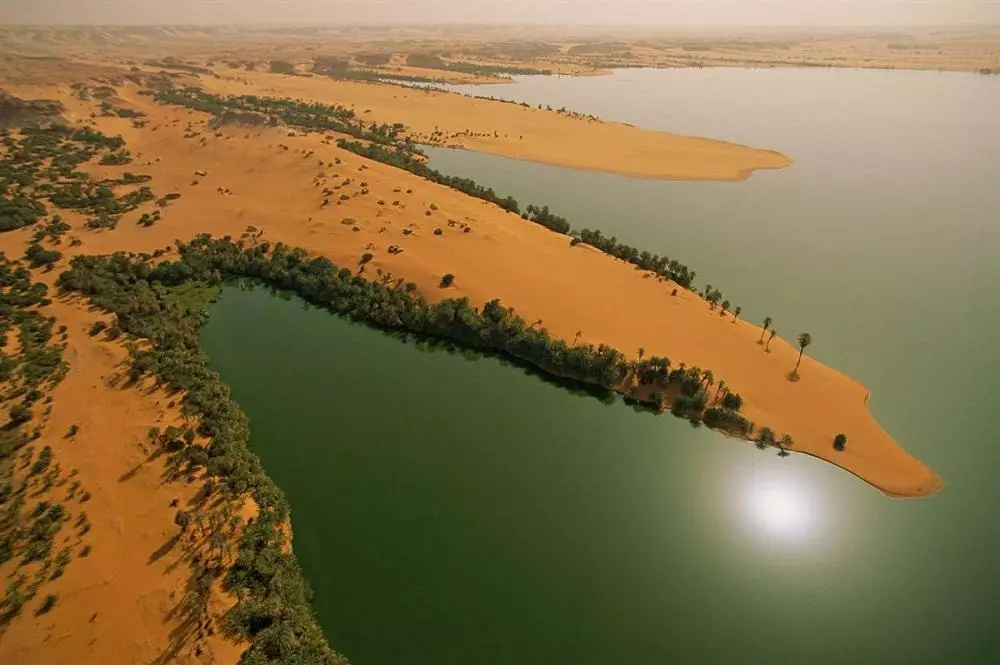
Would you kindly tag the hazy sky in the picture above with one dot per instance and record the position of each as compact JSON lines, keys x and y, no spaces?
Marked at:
{"x":563,"y":12}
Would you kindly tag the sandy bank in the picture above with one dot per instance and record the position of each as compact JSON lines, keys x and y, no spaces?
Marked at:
{"x":128,"y":599}
{"x":512,"y":130}
{"x":501,"y":256}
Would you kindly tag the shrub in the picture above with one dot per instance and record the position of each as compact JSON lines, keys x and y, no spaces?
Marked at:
{"x":47,"y":604}
{"x":447,"y":280}
{"x":20,"y":414}
{"x":39,"y":256}
{"x":97,"y":328}
{"x":732,"y":401}
{"x":840,"y":442}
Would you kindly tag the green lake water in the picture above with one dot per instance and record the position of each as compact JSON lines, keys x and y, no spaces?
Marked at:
{"x":452,"y":509}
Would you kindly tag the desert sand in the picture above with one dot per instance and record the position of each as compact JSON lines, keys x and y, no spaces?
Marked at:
{"x":133,"y":580}
{"x":128,"y":600}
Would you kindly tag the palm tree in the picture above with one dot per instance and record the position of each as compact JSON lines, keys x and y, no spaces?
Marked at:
{"x":767,"y":324}
{"x":722,"y":386}
{"x":708,"y":378}
{"x":773,"y":333}
{"x":577,"y":337}
{"x":805,"y":339}
{"x":736,"y":313}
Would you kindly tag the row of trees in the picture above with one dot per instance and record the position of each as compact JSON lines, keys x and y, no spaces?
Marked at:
{"x":304,"y":115}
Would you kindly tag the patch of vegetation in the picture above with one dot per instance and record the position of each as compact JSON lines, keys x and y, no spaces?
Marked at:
{"x":840,"y":443}
{"x":281,"y":67}
{"x":39,"y":163}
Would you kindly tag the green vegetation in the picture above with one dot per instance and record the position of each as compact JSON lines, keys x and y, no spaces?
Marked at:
{"x":310,"y":117}
{"x":39,"y":163}
{"x":805,"y":339}
{"x":767,"y":325}
{"x":281,"y":67}
{"x":425,"y":61}
{"x":39,"y":256}
{"x":47,"y":604}
{"x":840,"y":442}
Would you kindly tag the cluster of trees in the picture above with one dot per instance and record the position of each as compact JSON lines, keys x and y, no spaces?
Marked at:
{"x":546,"y":218}
{"x":39,"y":256}
{"x":307,"y":116}
{"x":40,"y":163}
{"x":281,"y":67}
{"x":427,"y":61}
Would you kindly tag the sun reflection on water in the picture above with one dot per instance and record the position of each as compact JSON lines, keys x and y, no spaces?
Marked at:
{"x":780,"y":504}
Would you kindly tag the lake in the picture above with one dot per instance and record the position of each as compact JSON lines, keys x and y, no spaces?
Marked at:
{"x":452,"y":509}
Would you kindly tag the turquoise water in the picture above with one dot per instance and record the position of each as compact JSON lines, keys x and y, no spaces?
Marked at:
{"x":450,"y":508}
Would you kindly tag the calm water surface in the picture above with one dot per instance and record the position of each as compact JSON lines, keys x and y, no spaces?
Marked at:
{"x":450,"y":509}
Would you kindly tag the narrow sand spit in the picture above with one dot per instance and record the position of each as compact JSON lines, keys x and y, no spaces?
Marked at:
{"x":512,"y":130}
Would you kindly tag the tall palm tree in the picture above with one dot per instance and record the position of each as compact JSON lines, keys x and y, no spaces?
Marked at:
{"x":805,"y":339}
{"x":767,"y":324}
{"x":773,"y":333}
{"x":736,"y":313}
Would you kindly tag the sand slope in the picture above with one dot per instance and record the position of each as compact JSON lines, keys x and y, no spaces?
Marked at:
{"x":126,"y":601}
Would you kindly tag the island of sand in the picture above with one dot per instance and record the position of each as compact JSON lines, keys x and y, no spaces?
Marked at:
{"x":300,"y":188}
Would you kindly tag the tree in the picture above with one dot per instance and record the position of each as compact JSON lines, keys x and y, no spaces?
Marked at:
{"x":773,"y":333}
{"x":732,"y":401}
{"x":19,"y":414}
{"x":722,"y":386}
{"x":805,"y":339}
{"x":767,"y":324}
{"x":737,"y":312}
{"x":840,"y":442}
{"x":765,"y":438}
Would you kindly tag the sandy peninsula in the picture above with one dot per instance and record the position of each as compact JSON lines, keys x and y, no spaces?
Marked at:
{"x":521,"y":132}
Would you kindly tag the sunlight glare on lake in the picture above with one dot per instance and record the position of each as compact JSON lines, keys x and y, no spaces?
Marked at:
{"x":779,"y":504}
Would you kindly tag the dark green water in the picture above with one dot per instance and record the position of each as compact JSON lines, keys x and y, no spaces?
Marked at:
{"x":450,"y":510}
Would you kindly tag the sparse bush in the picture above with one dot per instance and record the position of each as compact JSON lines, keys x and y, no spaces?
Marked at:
{"x":840,"y":442}
{"x":447,"y":280}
